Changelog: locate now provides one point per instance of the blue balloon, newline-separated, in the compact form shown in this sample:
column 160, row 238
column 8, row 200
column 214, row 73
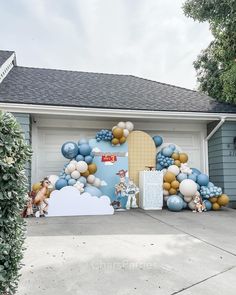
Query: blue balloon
column 159, row 167
column 181, row 177
column 69, row 149
column 60, row 183
column 185, row 205
column 210, row 184
column 208, row 205
column 167, row 151
column 68, row 177
column 88, row 159
column 85, row 149
column 193, row 177
column 79, row 158
column 172, row 146
column 203, row 179
column 196, row 171
column 158, row 140
column 93, row 191
column 71, row 181
column 83, row 180
column 175, row 203
column 82, row 141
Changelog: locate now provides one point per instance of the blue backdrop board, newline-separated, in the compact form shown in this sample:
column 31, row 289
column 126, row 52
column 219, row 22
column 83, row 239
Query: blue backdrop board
column 109, row 160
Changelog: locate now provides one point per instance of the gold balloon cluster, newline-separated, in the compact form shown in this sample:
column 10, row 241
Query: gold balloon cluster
column 121, row 132
column 217, row 202
column 170, row 183
column 92, row 169
column 179, row 158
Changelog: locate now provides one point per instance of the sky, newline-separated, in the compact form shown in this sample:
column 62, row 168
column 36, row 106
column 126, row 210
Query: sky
column 146, row 38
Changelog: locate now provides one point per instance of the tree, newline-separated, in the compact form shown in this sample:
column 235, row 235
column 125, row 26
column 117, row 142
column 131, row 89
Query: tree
column 14, row 153
column 216, row 65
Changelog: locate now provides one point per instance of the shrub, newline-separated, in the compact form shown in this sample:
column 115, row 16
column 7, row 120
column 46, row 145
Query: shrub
column 14, row 153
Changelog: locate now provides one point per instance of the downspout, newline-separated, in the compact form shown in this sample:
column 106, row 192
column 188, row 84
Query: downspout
column 206, row 139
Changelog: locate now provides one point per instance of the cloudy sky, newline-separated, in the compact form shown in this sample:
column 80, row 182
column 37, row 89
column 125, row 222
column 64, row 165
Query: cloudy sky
column 146, row 38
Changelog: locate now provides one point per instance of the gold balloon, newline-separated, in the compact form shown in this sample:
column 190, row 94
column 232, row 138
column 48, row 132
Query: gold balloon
column 177, row 163
column 169, row 177
column 223, row 200
column 172, row 191
column 215, row 206
column 115, row 141
column 175, row 156
column 166, row 186
column 36, row 187
column 86, row 173
column 175, row 184
column 122, row 140
column 118, row 132
column 92, row 168
column 183, row 158
column 213, row 200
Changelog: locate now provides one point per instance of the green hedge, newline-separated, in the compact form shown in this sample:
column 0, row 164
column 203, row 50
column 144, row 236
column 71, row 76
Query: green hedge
column 14, row 153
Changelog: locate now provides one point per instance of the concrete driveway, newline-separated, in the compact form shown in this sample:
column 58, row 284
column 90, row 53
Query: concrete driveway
column 136, row 252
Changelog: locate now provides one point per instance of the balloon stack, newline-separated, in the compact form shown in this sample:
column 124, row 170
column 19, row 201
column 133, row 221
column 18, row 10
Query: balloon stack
column 117, row 135
column 79, row 171
column 181, row 184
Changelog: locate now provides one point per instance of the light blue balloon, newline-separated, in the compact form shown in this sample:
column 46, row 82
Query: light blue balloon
column 181, row 177
column 193, row 177
column 208, row 205
column 71, row 181
column 175, row 203
column 69, row 149
column 159, row 167
column 158, row 140
column 79, row 158
column 93, row 191
column 167, row 151
column 203, row 179
column 185, row 205
column 83, row 141
column 68, row 177
column 196, row 171
column 172, row 146
column 83, row 180
column 210, row 184
column 85, row 149
column 60, row 183
column 88, row 159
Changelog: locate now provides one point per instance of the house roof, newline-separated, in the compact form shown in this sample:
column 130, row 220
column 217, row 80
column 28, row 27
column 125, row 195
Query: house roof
column 4, row 55
column 96, row 90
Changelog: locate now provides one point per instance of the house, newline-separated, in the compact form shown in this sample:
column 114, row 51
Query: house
column 57, row 105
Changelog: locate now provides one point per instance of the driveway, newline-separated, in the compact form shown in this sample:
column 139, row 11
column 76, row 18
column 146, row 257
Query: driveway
column 136, row 252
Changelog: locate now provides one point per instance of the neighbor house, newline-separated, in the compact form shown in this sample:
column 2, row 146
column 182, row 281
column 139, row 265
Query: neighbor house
column 57, row 105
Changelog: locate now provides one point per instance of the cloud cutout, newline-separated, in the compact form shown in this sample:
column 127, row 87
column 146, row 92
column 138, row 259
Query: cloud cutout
column 69, row 202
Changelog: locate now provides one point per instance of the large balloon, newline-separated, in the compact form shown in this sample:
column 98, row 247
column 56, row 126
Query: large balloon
column 174, row 169
column 167, row 151
column 183, row 158
column 188, row 188
column 129, row 126
column 169, row 177
column 181, row 177
column 158, row 140
column 91, row 178
column 85, row 149
column 121, row 125
column 92, row 190
column 82, row 141
column 75, row 175
column 88, row 159
column 208, row 205
column 203, row 179
column 122, row 140
column 118, row 132
column 175, row 203
column 92, row 168
column 69, row 149
column 82, row 166
column 71, row 167
column 60, row 183
column 223, row 200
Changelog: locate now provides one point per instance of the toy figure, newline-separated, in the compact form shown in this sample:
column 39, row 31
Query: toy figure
column 120, row 189
column 131, row 191
column 40, row 198
column 199, row 204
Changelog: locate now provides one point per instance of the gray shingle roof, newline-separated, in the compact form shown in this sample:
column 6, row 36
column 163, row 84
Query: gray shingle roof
column 82, row 89
column 4, row 55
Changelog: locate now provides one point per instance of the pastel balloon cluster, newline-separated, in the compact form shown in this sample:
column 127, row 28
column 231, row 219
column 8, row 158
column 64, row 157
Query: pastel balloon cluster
column 79, row 171
column 121, row 131
column 163, row 161
column 104, row 135
column 209, row 192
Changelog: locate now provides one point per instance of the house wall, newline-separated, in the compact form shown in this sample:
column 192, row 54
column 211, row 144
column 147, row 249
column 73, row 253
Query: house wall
column 24, row 120
column 222, row 159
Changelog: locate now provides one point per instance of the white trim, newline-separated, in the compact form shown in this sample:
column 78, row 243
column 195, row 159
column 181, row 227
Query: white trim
column 6, row 67
column 111, row 113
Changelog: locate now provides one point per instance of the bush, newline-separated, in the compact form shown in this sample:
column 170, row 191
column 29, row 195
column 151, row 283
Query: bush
column 14, row 153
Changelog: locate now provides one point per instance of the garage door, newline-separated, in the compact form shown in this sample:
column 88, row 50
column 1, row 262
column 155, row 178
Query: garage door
column 47, row 141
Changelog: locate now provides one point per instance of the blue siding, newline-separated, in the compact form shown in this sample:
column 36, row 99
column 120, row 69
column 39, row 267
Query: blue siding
column 24, row 120
column 222, row 158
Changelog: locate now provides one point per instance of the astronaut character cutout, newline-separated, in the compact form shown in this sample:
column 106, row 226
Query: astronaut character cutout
column 131, row 191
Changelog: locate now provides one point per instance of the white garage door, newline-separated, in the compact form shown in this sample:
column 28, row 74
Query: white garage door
column 49, row 135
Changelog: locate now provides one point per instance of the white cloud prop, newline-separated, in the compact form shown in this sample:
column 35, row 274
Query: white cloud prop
column 69, row 202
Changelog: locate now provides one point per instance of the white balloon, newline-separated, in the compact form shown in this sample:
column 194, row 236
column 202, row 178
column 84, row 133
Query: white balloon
column 97, row 182
column 114, row 127
column 71, row 167
column 129, row 126
column 188, row 199
column 174, row 169
column 121, row 125
column 53, row 179
column 91, row 178
column 73, row 162
column 67, row 171
column 188, row 188
column 75, row 174
column 165, row 193
column 126, row 132
column 82, row 166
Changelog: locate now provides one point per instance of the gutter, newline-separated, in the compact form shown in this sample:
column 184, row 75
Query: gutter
column 206, row 139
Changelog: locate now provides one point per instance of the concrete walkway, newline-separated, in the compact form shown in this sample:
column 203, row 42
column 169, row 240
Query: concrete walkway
column 136, row 252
